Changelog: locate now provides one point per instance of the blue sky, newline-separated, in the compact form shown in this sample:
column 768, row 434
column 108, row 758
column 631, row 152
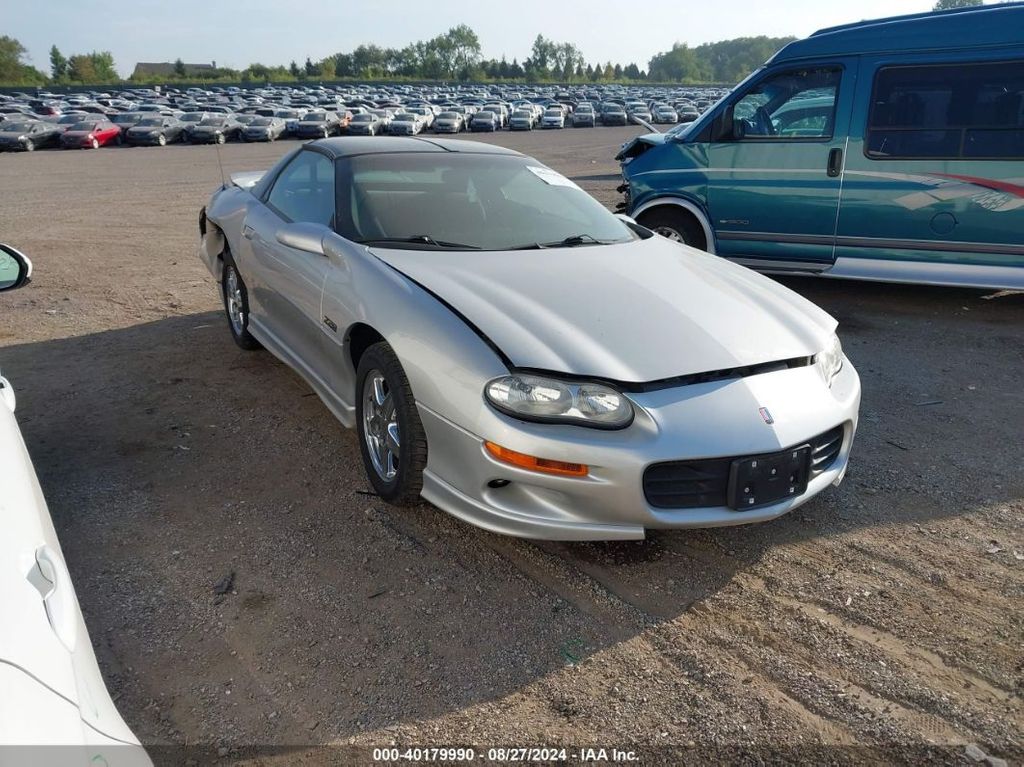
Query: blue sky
column 236, row 34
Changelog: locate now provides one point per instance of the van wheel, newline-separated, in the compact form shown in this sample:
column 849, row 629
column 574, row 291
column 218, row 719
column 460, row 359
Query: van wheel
column 677, row 225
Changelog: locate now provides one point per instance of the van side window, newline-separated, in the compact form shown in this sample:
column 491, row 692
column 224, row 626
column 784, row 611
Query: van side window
column 954, row 111
column 799, row 104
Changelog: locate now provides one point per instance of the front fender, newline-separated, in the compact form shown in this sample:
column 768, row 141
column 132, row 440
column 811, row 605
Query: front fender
column 446, row 361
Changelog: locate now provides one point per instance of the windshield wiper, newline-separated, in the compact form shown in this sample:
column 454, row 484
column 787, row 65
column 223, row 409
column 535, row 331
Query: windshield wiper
column 421, row 239
column 571, row 241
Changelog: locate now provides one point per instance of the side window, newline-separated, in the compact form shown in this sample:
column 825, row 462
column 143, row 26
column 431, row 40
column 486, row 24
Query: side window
column 954, row 111
column 799, row 104
column 304, row 191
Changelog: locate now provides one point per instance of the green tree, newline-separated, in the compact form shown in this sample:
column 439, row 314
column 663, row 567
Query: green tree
column 945, row 5
column 14, row 70
column 456, row 50
column 677, row 65
column 179, row 68
column 58, row 65
column 310, row 68
column 92, row 68
column 294, row 70
column 632, row 72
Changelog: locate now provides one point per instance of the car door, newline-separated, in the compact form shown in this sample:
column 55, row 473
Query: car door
column 287, row 283
column 775, row 167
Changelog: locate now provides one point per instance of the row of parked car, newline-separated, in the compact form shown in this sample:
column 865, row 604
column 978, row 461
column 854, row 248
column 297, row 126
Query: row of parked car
column 144, row 116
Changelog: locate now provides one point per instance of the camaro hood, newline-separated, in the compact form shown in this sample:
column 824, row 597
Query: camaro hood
column 638, row 312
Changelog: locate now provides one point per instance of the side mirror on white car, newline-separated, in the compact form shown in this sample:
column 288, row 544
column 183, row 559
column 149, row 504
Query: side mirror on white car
column 15, row 268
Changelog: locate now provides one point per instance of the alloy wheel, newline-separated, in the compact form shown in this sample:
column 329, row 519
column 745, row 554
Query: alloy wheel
column 233, row 296
column 380, row 425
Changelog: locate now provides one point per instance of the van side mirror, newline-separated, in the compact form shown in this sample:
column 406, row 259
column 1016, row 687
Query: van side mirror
column 15, row 268
column 723, row 126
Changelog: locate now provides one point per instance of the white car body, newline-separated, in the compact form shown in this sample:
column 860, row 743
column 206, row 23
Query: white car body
column 51, row 690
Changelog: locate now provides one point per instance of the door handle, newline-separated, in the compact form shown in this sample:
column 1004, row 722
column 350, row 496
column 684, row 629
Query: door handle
column 247, row 231
column 835, row 162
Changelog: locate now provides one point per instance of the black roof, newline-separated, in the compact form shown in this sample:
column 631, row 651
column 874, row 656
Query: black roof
column 348, row 146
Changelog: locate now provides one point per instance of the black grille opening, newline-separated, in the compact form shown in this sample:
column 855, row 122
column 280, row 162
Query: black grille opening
column 705, row 482
column 825, row 449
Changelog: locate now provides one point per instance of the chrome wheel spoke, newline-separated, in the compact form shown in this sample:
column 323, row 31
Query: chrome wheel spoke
column 379, row 393
column 393, row 442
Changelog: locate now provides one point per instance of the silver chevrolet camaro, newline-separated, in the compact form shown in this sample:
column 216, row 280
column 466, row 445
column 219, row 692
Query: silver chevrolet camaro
column 521, row 357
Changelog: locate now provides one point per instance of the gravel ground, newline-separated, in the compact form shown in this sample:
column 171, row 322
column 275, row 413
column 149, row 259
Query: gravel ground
column 877, row 623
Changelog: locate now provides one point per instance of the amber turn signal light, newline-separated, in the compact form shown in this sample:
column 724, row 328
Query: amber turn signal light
column 543, row 465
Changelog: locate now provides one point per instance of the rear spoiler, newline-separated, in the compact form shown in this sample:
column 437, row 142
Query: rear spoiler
column 246, row 180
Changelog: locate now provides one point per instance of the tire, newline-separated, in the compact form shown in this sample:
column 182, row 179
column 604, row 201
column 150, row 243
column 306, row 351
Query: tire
column 221, row 138
column 676, row 225
column 119, row 140
column 236, row 307
column 386, row 416
column 161, row 140
column 30, row 146
column 95, row 144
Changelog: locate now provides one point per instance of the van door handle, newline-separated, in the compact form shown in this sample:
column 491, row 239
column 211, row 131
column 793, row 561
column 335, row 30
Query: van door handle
column 248, row 231
column 835, row 162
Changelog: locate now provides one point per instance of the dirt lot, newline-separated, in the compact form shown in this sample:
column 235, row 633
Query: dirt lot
column 886, row 615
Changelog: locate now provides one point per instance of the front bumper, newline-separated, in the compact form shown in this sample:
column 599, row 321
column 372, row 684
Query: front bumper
column 719, row 419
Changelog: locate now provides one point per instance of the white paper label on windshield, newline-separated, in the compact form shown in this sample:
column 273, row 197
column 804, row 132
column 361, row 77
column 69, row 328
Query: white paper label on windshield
column 552, row 177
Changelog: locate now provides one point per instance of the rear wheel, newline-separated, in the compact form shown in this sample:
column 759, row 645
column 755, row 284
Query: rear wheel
column 236, row 306
column 677, row 225
column 161, row 140
column 221, row 138
column 391, row 437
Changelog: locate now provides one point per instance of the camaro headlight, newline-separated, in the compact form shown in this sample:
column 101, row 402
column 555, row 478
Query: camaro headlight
column 830, row 360
column 534, row 398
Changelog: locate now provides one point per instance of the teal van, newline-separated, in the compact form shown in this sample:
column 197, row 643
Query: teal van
column 883, row 150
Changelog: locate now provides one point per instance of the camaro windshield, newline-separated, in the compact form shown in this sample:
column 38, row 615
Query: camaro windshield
column 151, row 123
column 468, row 201
column 84, row 127
column 215, row 121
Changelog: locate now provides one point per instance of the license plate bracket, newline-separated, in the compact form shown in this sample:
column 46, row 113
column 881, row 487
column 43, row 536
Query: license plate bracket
column 766, row 479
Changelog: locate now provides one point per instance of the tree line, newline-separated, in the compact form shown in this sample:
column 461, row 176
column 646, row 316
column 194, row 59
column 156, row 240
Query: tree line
column 453, row 56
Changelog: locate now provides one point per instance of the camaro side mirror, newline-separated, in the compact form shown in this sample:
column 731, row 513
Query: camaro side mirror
column 303, row 236
column 625, row 218
column 15, row 268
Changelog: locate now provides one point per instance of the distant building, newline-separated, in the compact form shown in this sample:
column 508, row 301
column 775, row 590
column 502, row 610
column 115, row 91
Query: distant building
column 166, row 69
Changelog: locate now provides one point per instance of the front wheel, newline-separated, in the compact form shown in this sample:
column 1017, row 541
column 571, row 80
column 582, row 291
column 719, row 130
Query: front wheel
column 30, row 146
column 161, row 140
column 391, row 437
column 95, row 143
column 676, row 225
column 236, row 306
